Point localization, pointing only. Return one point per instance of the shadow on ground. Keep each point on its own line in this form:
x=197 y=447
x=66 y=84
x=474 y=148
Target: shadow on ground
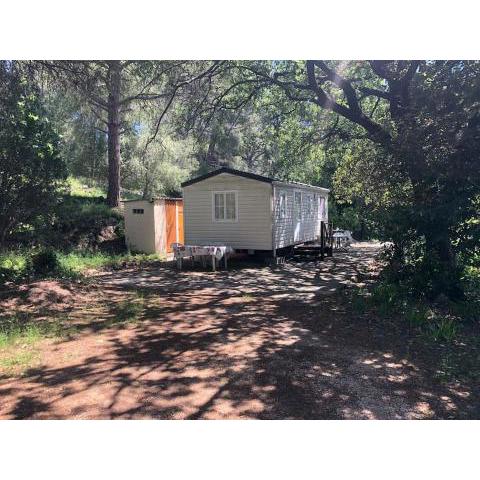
x=249 y=343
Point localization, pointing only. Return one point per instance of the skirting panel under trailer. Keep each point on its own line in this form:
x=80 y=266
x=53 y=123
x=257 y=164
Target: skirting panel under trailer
x=315 y=250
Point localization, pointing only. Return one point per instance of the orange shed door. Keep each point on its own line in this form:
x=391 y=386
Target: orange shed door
x=174 y=222
x=171 y=214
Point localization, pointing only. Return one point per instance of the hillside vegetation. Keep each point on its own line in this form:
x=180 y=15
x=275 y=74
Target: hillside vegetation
x=81 y=232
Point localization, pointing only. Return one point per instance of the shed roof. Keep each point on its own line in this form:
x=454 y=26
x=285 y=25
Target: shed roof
x=151 y=200
x=252 y=176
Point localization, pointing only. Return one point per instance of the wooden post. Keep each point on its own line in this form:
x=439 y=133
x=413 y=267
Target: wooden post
x=226 y=267
x=330 y=236
x=322 y=240
x=274 y=226
x=213 y=263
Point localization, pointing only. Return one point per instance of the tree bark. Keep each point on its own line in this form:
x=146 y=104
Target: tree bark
x=211 y=157
x=114 y=93
x=440 y=254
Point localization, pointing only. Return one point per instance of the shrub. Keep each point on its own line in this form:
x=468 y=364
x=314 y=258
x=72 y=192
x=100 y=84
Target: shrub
x=387 y=297
x=33 y=171
x=13 y=266
x=78 y=222
x=444 y=329
x=417 y=315
x=45 y=262
x=359 y=302
x=14 y=328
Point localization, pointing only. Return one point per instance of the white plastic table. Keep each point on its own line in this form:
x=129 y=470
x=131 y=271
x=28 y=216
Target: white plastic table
x=342 y=238
x=215 y=252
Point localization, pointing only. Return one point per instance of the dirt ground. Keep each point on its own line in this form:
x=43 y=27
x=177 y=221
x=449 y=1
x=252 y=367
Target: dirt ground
x=253 y=342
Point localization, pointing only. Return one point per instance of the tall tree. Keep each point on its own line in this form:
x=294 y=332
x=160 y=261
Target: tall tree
x=31 y=170
x=112 y=86
x=424 y=116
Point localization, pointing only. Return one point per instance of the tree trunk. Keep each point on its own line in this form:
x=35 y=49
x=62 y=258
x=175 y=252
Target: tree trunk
x=441 y=256
x=211 y=157
x=114 y=92
x=3 y=235
x=5 y=224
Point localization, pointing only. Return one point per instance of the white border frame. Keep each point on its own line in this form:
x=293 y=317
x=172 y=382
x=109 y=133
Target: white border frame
x=225 y=220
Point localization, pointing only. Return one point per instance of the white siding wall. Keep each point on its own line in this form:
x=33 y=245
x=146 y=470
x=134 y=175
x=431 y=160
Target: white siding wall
x=290 y=230
x=253 y=228
x=140 y=229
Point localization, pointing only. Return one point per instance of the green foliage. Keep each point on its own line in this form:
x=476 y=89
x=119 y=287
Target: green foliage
x=79 y=261
x=18 y=360
x=417 y=315
x=432 y=322
x=127 y=311
x=14 y=330
x=16 y=266
x=86 y=187
x=78 y=222
x=13 y=266
x=31 y=170
x=45 y=262
x=387 y=297
x=155 y=168
x=19 y=335
x=84 y=222
x=443 y=330
x=405 y=153
x=359 y=301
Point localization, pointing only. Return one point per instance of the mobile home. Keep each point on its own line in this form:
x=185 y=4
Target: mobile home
x=151 y=226
x=252 y=212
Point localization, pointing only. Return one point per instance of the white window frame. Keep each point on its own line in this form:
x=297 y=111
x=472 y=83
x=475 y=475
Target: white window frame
x=282 y=205
x=308 y=204
x=322 y=212
x=297 y=218
x=225 y=220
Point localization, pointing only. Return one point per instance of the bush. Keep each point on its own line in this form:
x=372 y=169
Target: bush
x=78 y=223
x=45 y=262
x=443 y=329
x=13 y=266
x=387 y=297
x=417 y=315
x=16 y=266
x=359 y=302
x=78 y=261
x=33 y=171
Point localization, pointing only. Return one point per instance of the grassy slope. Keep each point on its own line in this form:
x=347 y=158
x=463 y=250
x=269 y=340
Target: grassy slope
x=79 y=219
x=85 y=187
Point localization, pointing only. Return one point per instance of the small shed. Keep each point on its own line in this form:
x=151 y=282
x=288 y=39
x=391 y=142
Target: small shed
x=252 y=212
x=151 y=226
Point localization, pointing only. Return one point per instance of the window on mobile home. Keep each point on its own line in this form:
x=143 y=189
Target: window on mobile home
x=225 y=206
x=283 y=205
x=298 y=205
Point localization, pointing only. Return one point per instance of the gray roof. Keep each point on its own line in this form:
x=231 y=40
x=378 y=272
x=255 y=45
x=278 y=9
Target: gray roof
x=151 y=199
x=240 y=173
